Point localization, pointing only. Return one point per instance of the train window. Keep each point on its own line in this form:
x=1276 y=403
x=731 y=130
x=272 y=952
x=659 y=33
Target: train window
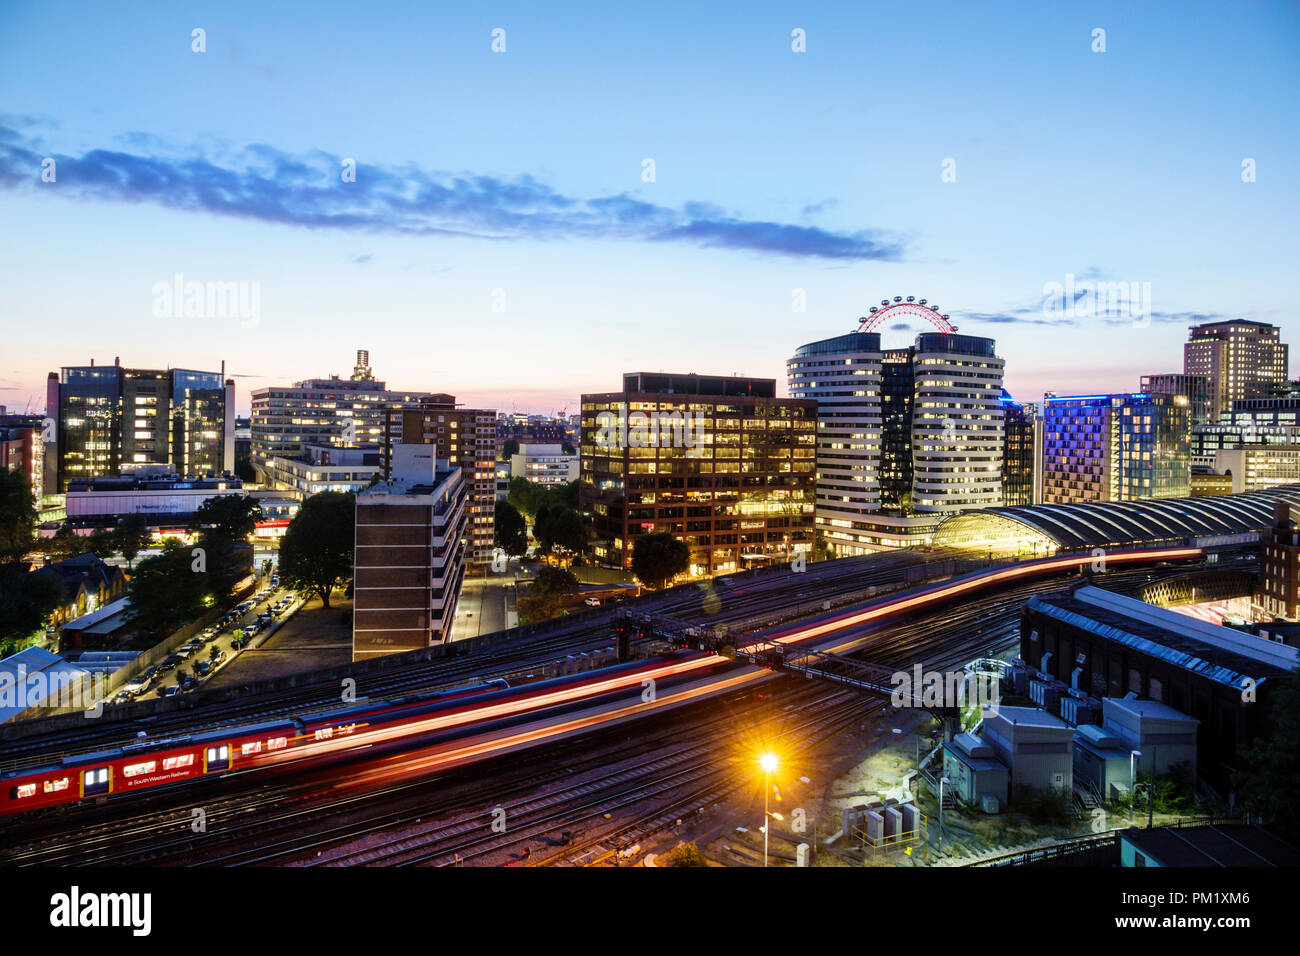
x=183 y=760
x=54 y=786
x=255 y=747
x=22 y=790
x=218 y=754
x=136 y=769
x=95 y=781
x=277 y=743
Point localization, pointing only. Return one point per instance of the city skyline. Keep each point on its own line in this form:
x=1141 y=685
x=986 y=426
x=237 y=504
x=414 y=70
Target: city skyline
x=523 y=186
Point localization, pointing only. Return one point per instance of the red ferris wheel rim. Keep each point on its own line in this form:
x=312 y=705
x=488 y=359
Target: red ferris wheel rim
x=907 y=308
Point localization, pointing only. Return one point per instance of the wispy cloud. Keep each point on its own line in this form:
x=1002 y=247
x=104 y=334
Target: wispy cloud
x=265 y=184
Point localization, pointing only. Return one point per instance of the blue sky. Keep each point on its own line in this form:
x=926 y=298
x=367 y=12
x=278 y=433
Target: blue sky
x=521 y=171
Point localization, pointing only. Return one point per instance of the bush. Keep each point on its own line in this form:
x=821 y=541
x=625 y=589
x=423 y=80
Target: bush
x=684 y=854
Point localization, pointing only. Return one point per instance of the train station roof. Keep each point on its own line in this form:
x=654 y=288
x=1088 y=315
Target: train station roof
x=1049 y=528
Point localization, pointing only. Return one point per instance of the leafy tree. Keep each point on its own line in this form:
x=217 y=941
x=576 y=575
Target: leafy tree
x=66 y=543
x=553 y=581
x=511 y=530
x=102 y=543
x=17 y=516
x=27 y=598
x=316 y=551
x=168 y=589
x=132 y=535
x=684 y=854
x=559 y=526
x=566 y=495
x=229 y=516
x=658 y=558
x=225 y=561
x=1268 y=784
x=509 y=449
x=525 y=496
x=567 y=449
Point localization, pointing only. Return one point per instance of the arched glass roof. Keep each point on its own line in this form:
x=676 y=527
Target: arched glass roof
x=1107 y=524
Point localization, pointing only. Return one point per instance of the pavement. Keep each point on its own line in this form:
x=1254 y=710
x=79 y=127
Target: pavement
x=486 y=604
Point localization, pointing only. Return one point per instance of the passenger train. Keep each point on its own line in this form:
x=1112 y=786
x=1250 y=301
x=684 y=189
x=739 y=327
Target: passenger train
x=471 y=712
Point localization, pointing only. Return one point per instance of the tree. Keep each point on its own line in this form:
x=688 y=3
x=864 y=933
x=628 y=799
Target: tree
x=1268 y=784
x=524 y=495
x=511 y=530
x=66 y=543
x=684 y=854
x=169 y=589
x=658 y=558
x=17 y=516
x=132 y=535
x=233 y=517
x=509 y=449
x=102 y=543
x=316 y=551
x=552 y=581
x=27 y=598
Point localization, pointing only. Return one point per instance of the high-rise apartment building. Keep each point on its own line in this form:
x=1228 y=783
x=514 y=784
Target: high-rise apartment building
x=1279 y=566
x=1116 y=447
x=1195 y=387
x=1239 y=359
x=466 y=437
x=719 y=462
x=843 y=375
x=112 y=420
x=409 y=558
x=22 y=448
x=904 y=436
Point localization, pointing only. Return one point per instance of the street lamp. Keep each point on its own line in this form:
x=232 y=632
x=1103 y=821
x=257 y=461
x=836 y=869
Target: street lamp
x=768 y=763
x=943 y=782
x=1132 y=781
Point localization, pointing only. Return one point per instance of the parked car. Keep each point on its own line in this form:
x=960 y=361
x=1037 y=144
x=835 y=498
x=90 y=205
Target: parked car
x=136 y=685
x=171 y=690
x=592 y=602
x=169 y=663
x=123 y=696
x=203 y=668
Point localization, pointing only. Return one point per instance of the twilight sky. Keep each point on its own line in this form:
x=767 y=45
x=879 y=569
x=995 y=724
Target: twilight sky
x=501 y=240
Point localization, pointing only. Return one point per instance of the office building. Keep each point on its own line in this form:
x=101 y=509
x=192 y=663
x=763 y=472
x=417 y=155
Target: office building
x=719 y=462
x=409 y=559
x=465 y=437
x=905 y=435
x=320 y=468
x=544 y=465
x=112 y=420
x=1195 y=387
x=1239 y=359
x=1253 y=467
x=1022 y=448
x=1115 y=447
x=335 y=412
x=22 y=448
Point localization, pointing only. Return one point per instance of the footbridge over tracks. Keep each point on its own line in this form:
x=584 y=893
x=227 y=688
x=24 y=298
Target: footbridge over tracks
x=1198 y=587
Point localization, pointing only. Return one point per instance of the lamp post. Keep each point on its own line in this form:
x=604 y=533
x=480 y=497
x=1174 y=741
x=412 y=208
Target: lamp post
x=943 y=782
x=768 y=763
x=1132 y=781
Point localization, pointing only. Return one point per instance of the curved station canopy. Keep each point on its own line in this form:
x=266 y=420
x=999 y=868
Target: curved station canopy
x=1046 y=529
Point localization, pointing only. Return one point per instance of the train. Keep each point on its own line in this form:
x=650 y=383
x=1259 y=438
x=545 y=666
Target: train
x=175 y=760
x=470 y=713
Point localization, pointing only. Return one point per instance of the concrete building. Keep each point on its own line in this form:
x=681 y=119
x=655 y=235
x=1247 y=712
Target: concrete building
x=1109 y=645
x=22 y=448
x=905 y=436
x=1239 y=360
x=1036 y=747
x=974 y=772
x=544 y=465
x=410 y=554
x=719 y=462
x=1122 y=447
x=465 y=437
x=1279 y=567
x=1253 y=467
x=112 y=420
x=330 y=412
x=320 y=468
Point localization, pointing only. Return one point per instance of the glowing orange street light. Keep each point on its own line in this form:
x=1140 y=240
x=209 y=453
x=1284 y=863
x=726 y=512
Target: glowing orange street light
x=768 y=763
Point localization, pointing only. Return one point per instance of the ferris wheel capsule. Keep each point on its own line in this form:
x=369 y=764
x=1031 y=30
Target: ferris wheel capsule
x=911 y=298
x=898 y=298
x=872 y=309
